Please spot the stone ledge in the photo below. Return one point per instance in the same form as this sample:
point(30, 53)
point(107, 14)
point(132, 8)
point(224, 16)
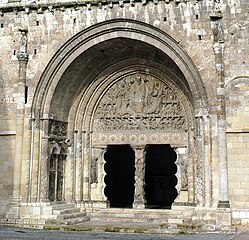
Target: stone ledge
point(238, 130)
point(16, 5)
point(7, 133)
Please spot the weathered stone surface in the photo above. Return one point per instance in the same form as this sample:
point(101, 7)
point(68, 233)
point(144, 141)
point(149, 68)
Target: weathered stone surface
point(76, 77)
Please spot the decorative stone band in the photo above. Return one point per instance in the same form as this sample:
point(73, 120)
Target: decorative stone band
point(177, 139)
point(7, 133)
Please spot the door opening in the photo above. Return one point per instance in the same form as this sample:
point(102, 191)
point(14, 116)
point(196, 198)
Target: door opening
point(120, 172)
point(56, 173)
point(160, 179)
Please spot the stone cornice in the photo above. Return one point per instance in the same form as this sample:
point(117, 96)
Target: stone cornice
point(16, 6)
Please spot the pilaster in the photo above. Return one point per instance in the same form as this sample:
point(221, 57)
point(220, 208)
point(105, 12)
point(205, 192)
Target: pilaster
point(219, 48)
point(42, 195)
point(23, 60)
point(20, 114)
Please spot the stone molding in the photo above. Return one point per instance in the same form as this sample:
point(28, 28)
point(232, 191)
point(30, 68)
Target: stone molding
point(179, 139)
point(103, 31)
point(18, 6)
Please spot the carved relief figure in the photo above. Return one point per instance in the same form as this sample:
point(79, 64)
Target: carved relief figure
point(218, 32)
point(184, 174)
point(154, 102)
point(138, 94)
point(94, 170)
point(57, 130)
point(23, 42)
point(122, 99)
point(139, 102)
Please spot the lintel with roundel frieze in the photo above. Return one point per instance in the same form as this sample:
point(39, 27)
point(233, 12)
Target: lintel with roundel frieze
point(179, 139)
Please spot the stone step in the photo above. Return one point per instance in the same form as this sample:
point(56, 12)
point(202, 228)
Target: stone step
point(71, 215)
point(144, 215)
point(138, 216)
point(69, 221)
point(66, 211)
point(136, 211)
point(66, 214)
point(62, 206)
point(131, 220)
point(77, 220)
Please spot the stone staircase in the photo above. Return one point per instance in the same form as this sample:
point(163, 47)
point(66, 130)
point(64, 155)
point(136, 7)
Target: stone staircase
point(129, 215)
point(64, 214)
point(169, 221)
point(175, 220)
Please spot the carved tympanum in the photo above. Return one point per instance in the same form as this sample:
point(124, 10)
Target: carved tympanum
point(139, 102)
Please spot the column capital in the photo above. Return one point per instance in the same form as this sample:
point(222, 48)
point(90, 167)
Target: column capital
point(223, 204)
point(138, 147)
point(23, 57)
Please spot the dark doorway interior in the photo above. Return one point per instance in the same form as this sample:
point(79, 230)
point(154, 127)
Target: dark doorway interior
point(56, 177)
point(120, 172)
point(160, 179)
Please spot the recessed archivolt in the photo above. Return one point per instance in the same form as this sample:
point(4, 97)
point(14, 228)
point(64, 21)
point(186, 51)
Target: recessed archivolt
point(119, 28)
point(118, 71)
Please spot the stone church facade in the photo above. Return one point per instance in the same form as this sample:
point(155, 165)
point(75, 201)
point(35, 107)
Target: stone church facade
point(137, 105)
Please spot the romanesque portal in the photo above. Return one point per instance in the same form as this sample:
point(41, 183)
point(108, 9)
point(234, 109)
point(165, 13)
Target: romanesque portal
point(137, 148)
point(125, 105)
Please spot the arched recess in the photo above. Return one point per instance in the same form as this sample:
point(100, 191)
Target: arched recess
point(108, 113)
point(81, 72)
point(237, 103)
point(113, 29)
point(237, 120)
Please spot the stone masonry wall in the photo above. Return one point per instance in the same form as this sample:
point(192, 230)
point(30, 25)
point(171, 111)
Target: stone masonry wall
point(7, 150)
point(238, 146)
point(50, 26)
point(237, 82)
point(8, 77)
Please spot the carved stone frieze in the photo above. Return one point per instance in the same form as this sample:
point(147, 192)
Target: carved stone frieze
point(57, 130)
point(136, 138)
point(139, 102)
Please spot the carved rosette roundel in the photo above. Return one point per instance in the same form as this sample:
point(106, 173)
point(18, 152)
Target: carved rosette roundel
point(139, 102)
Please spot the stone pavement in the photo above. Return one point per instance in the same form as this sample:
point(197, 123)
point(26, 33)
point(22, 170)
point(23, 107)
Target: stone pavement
point(8, 233)
point(242, 236)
